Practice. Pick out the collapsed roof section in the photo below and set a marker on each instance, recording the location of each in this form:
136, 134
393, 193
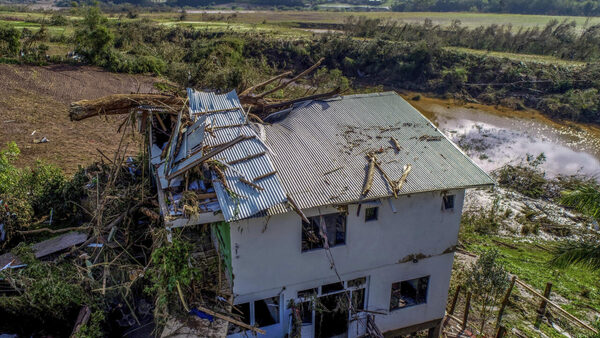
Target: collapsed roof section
215, 152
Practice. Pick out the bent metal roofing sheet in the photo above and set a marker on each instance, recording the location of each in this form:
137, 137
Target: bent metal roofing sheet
320, 151
218, 120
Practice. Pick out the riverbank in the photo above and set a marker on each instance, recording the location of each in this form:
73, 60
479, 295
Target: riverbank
494, 136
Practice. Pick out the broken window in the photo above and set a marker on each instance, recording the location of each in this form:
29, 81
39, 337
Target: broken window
244, 313
306, 311
266, 311
371, 214
327, 229
307, 293
358, 282
358, 299
409, 293
448, 202
329, 288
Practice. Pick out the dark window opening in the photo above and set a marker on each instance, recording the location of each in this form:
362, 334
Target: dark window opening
332, 321
358, 299
306, 312
244, 316
266, 311
371, 214
332, 287
315, 234
448, 202
409, 293
354, 283
307, 293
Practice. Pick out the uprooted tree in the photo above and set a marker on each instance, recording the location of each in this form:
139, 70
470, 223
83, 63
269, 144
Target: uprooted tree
119, 104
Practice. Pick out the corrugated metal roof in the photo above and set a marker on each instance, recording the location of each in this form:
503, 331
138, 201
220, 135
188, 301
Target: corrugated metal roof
202, 102
224, 122
320, 151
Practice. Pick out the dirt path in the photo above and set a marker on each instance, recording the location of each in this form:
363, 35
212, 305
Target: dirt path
37, 99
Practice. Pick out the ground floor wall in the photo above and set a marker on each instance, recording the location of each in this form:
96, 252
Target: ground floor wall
377, 296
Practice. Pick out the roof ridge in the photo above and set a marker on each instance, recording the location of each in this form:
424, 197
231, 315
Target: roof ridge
360, 96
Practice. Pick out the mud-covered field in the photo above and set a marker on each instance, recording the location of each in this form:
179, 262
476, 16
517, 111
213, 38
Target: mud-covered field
34, 103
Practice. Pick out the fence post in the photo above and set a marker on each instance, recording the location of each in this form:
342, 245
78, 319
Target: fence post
501, 332
454, 300
505, 300
467, 307
542, 310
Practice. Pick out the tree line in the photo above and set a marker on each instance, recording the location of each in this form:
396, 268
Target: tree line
562, 39
229, 59
545, 7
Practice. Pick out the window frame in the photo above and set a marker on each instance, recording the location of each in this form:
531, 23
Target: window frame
252, 309
358, 283
315, 229
374, 217
417, 296
448, 199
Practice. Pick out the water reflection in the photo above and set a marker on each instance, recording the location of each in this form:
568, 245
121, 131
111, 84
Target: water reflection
493, 140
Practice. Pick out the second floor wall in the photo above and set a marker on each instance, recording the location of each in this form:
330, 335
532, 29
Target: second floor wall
269, 253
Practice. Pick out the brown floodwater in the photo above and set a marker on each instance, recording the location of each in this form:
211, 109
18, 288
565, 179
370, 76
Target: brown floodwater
494, 136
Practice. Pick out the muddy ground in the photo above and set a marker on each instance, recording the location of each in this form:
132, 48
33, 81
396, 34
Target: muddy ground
37, 98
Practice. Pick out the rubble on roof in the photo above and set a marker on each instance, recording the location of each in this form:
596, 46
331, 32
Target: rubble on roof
216, 153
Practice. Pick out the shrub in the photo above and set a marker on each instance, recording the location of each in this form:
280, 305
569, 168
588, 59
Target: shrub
9, 41
525, 178
487, 279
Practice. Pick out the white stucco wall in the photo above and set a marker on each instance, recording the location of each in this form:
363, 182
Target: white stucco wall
267, 259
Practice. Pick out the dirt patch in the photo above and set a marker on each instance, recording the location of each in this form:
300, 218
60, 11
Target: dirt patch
37, 99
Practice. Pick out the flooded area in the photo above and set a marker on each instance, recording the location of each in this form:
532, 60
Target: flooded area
494, 137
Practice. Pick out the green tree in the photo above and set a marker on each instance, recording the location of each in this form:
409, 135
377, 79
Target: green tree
93, 38
9, 41
487, 280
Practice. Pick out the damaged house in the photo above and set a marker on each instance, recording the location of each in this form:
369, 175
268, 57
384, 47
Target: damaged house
335, 217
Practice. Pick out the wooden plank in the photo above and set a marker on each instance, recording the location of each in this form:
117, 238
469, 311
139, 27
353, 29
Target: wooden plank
560, 309
297, 209
505, 300
231, 320
9, 258
247, 158
454, 300
58, 243
542, 309
258, 178
466, 314
215, 151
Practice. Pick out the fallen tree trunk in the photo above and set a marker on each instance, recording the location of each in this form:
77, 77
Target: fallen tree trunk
305, 98
122, 104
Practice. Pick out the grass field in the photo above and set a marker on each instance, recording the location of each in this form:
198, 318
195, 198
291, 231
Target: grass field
521, 57
291, 17
576, 288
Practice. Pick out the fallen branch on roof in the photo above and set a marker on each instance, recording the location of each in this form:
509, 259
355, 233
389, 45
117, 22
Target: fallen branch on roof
297, 209
396, 144
389, 181
122, 104
370, 173
247, 98
302, 99
400, 182
216, 150
262, 84
294, 79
